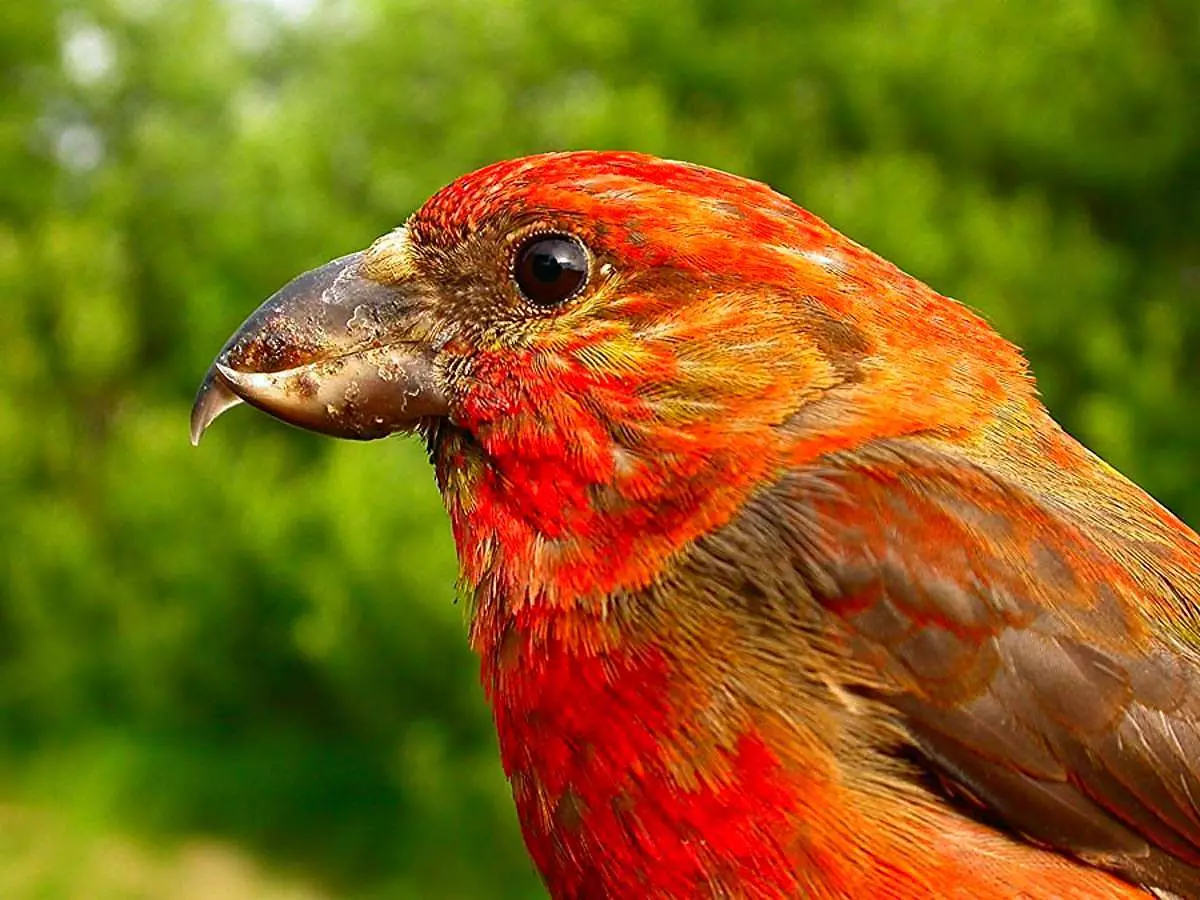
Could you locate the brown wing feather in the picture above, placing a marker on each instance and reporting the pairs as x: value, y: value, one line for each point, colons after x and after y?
x: 1013, y: 636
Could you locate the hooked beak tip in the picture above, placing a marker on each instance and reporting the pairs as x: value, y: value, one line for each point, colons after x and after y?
x: 214, y: 397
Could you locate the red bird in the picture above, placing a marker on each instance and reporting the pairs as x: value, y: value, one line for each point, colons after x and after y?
x: 784, y: 582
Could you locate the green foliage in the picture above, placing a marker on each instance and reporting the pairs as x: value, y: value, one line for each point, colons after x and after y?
x: 258, y: 641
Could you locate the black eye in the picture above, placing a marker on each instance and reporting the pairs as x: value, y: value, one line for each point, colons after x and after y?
x: 551, y: 268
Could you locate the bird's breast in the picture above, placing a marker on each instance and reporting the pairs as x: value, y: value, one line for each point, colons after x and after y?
x: 622, y: 786
x: 636, y: 775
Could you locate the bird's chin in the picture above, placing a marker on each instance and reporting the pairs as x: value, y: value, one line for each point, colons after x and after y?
x: 333, y: 352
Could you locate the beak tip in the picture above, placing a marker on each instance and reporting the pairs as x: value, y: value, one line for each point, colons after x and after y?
x: 213, y: 398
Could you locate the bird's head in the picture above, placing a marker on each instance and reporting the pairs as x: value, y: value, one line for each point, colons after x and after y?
x: 606, y: 352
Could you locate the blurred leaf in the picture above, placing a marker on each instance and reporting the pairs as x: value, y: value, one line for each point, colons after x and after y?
x: 258, y: 642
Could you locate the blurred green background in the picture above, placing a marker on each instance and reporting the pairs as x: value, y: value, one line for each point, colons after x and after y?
x: 239, y: 672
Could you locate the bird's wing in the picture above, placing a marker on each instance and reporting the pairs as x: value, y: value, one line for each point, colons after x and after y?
x: 1026, y: 648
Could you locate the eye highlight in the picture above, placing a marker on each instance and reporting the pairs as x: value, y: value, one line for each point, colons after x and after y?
x: 550, y: 269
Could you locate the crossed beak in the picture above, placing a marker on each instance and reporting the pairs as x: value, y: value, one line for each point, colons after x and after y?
x: 333, y: 351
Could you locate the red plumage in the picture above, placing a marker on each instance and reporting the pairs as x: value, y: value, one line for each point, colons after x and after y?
x: 784, y: 584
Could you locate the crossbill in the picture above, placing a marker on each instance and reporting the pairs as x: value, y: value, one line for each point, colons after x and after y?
x: 783, y: 581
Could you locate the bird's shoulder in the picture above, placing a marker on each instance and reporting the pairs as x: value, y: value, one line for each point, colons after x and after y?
x: 1033, y: 622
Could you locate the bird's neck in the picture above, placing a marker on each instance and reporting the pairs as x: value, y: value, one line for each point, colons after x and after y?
x: 617, y: 758
x: 561, y: 515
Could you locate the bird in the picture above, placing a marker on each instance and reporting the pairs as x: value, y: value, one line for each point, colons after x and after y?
x: 783, y: 581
